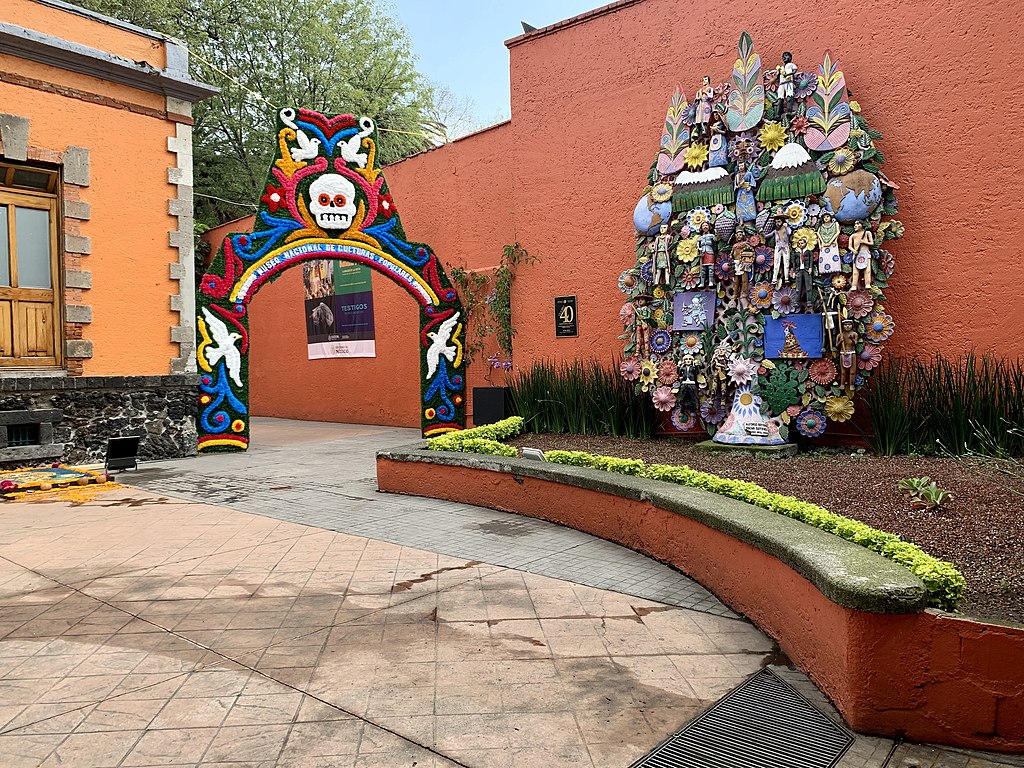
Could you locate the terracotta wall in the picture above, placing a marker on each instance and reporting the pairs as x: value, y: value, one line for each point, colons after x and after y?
x: 385, y: 389
x: 126, y: 133
x: 588, y: 102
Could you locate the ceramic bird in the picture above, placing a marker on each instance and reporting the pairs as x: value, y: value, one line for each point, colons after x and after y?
x: 440, y: 346
x: 308, y: 148
x: 225, y: 348
x: 350, y: 147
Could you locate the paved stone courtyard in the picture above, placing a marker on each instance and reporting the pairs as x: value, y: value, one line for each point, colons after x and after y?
x: 272, y: 609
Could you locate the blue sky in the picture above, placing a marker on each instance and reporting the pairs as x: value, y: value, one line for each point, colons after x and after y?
x: 460, y: 45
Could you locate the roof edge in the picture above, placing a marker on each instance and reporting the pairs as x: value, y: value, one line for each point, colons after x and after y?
x: 572, y: 21
x: 110, y: 21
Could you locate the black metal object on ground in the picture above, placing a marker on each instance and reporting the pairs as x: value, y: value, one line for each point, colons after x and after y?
x: 122, y: 453
x: 763, y: 723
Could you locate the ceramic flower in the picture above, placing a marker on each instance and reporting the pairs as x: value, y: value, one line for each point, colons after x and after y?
x: 712, y: 412
x: 627, y: 314
x: 742, y: 370
x: 810, y: 423
x: 795, y: 213
x: 813, y: 210
x: 659, y: 292
x: 723, y: 267
x: 687, y: 249
x: 859, y: 304
x: 691, y: 344
x: 772, y: 136
x: 661, y: 340
x: 647, y: 271
x: 839, y: 408
x: 698, y: 217
x: 647, y: 374
x: 761, y: 295
x: 743, y: 148
x: 799, y: 125
x: 869, y: 357
x: 685, y: 231
x: 804, y: 84
x: 886, y: 262
x: 668, y: 372
x: 822, y: 372
x: 808, y: 234
x: 794, y: 410
x: 682, y: 420
x: 690, y: 278
x: 696, y: 155
x: 764, y: 258
x: 630, y: 368
x: 784, y: 301
x: 627, y: 281
x: 842, y: 161
x: 839, y: 282
x: 661, y: 192
x: 663, y: 398
x: 879, y: 326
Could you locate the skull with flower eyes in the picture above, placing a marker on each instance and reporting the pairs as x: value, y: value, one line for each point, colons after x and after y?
x: 332, y: 201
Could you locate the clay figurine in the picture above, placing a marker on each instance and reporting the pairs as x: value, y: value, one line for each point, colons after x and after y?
x: 781, y: 252
x: 860, y: 243
x: 787, y: 85
x: 828, y: 243
x: 688, y: 382
x: 644, y: 322
x: 719, y: 368
x: 742, y: 266
x: 745, y: 181
x: 829, y: 316
x: 804, y: 263
x: 718, y: 150
x: 704, y: 99
x: 706, y: 248
x: 847, y: 355
x: 662, y: 258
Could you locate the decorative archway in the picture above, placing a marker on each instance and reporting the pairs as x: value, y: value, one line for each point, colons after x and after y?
x: 324, y: 199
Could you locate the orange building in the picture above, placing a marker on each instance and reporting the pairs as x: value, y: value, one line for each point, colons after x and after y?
x: 588, y: 99
x: 97, y: 287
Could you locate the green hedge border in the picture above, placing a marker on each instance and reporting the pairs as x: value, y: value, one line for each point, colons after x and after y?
x: 944, y: 583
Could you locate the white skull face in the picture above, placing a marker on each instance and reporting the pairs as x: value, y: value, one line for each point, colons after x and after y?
x: 332, y: 200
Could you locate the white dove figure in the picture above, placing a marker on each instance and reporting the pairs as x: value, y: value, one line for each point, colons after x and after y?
x: 225, y: 348
x: 440, y: 346
x: 308, y: 148
x: 350, y: 147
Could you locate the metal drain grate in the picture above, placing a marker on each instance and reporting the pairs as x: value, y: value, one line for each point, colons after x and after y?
x: 763, y: 723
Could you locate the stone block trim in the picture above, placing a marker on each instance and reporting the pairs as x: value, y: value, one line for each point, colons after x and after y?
x: 76, y: 209
x: 182, y: 239
x: 77, y: 313
x: 14, y: 136
x: 77, y: 278
x: 78, y: 348
x: 76, y: 166
x: 77, y: 244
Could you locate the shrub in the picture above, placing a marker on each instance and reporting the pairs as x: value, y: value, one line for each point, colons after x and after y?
x: 945, y: 585
x: 483, y: 439
x: 968, y: 405
x: 581, y: 398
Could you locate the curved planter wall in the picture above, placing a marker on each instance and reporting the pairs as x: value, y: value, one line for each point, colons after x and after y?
x: 852, y: 620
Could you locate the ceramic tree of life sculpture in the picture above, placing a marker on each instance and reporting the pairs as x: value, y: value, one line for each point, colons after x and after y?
x: 770, y: 212
x: 324, y: 198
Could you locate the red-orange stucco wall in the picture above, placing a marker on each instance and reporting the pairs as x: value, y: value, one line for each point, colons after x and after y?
x: 384, y: 389
x: 588, y: 103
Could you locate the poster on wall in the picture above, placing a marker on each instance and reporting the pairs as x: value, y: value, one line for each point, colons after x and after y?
x: 339, y: 310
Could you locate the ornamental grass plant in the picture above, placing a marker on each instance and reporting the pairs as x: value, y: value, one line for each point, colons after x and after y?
x: 967, y: 405
x: 581, y: 398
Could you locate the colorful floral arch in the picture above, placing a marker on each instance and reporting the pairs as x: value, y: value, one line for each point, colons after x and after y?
x: 324, y: 199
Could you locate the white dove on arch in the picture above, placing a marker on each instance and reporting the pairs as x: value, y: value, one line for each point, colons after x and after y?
x: 225, y: 348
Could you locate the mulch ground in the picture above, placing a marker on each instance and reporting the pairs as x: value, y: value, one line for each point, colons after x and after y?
x: 981, y: 531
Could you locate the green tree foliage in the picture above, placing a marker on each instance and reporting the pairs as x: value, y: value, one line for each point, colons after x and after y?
x: 326, y: 55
